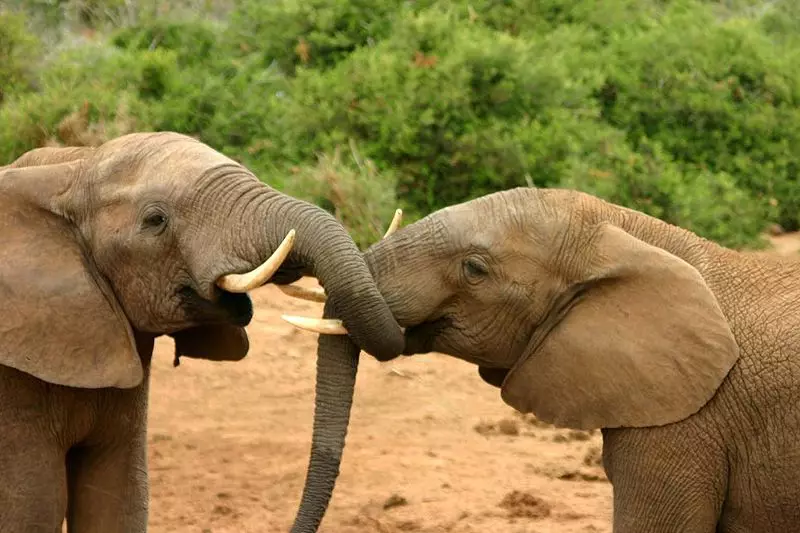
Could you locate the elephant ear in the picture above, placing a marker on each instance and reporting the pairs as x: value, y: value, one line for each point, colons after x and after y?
x: 645, y: 344
x: 59, y: 320
x: 215, y: 342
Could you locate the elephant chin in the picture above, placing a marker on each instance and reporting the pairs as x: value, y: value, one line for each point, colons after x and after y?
x: 219, y: 342
x: 493, y: 376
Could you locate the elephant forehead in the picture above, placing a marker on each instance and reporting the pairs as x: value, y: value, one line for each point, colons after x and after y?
x: 476, y: 225
x: 159, y: 157
x: 162, y: 148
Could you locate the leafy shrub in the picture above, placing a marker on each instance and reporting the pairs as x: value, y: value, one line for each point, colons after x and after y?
x: 361, y: 197
x: 781, y: 19
x: 648, y: 180
x: 535, y: 17
x: 18, y: 54
x: 313, y: 33
x: 737, y: 116
x: 90, y: 89
x: 457, y: 112
x: 192, y: 41
x: 688, y: 110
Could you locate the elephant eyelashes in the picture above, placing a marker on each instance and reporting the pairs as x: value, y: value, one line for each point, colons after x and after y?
x: 475, y: 268
x: 155, y: 221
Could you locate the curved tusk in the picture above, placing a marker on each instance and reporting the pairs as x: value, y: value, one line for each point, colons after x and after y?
x: 314, y: 294
x: 325, y: 326
x: 398, y: 218
x: 240, y: 283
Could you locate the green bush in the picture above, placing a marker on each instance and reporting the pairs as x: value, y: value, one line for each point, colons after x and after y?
x: 311, y: 33
x: 87, y: 95
x: 360, y: 196
x: 535, y: 17
x: 457, y: 112
x: 648, y: 180
x: 688, y: 110
x: 192, y: 41
x: 781, y: 19
x: 737, y: 116
x: 19, y: 51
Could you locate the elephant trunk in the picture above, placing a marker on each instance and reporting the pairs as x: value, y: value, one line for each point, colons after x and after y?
x: 337, y: 364
x: 324, y: 248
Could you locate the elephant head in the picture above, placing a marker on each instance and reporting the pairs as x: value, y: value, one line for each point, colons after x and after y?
x: 157, y: 233
x: 587, y: 314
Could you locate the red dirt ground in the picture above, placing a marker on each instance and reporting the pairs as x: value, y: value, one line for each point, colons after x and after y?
x: 431, y: 447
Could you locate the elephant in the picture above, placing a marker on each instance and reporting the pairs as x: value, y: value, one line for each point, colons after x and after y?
x: 684, y: 354
x: 104, y: 249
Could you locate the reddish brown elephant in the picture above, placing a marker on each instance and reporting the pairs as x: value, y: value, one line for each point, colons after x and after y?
x: 101, y: 251
x: 589, y: 315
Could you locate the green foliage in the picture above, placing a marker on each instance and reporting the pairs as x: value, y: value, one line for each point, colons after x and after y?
x: 738, y: 116
x: 18, y: 50
x: 87, y: 94
x: 458, y: 112
x: 536, y: 17
x: 313, y: 33
x: 648, y: 179
x: 191, y: 41
x: 688, y: 110
x: 781, y: 19
x: 361, y: 197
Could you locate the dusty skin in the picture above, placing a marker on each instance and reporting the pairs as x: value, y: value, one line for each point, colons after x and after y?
x: 430, y: 449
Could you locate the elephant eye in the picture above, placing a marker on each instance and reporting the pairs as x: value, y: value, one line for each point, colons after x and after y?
x: 475, y: 267
x: 155, y: 221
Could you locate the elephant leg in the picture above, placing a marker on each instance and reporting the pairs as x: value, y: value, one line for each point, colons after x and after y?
x: 108, y: 490
x: 668, y: 479
x: 33, y: 490
x: 33, y: 484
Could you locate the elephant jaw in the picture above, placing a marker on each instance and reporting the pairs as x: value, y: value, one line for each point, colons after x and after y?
x: 325, y: 326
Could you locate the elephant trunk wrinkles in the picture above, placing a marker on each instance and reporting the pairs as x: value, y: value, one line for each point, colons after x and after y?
x: 324, y: 247
x: 337, y: 364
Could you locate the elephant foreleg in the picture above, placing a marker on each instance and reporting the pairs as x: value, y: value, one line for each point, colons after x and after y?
x: 33, y: 492
x: 664, y: 483
x: 108, y: 488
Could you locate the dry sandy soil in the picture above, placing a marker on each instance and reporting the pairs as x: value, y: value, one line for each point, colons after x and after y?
x: 431, y: 447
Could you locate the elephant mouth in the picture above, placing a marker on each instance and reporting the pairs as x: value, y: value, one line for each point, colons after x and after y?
x: 422, y: 338
x: 229, y: 308
x: 289, y: 272
x: 444, y: 335
x: 227, y: 300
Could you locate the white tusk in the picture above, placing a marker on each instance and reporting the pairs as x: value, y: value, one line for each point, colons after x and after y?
x: 398, y: 218
x: 315, y: 294
x: 240, y: 283
x: 325, y: 326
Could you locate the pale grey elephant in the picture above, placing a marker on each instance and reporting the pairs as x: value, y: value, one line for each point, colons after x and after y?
x: 589, y: 315
x: 101, y: 251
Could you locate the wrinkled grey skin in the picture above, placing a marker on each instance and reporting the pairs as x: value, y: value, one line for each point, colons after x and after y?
x: 103, y: 250
x: 590, y: 315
